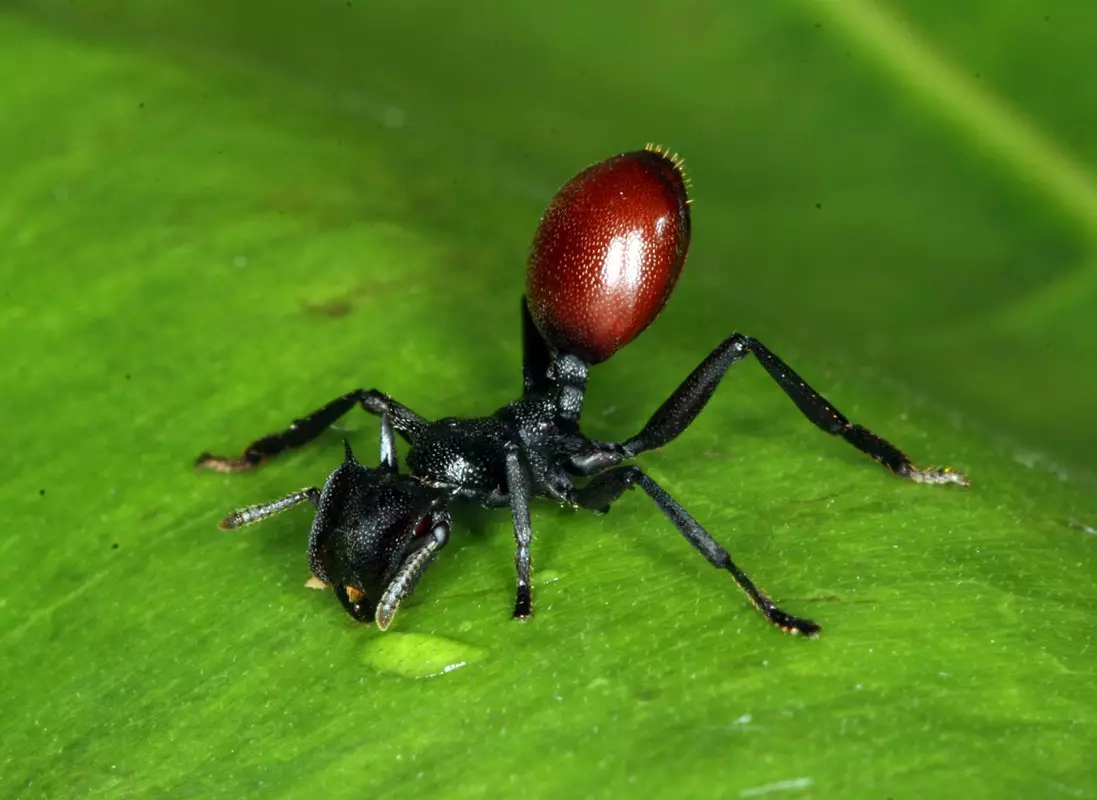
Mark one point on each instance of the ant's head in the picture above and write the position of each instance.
(374, 533)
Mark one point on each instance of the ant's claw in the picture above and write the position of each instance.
(938, 477)
(794, 626)
(523, 605)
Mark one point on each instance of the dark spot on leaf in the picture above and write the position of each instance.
(338, 307)
(343, 303)
(823, 598)
(821, 499)
(41, 492)
(740, 663)
(114, 546)
(648, 693)
(819, 205)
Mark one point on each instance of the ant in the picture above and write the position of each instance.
(605, 259)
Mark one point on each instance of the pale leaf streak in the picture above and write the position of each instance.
(1081, 526)
(777, 786)
(7, 544)
(1032, 155)
(15, 634)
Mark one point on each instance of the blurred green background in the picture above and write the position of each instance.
(218, 216)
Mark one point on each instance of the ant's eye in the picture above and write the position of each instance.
(608, 253)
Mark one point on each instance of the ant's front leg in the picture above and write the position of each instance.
(520, 490)
(304, 430)
(260, 511)
(682, 407)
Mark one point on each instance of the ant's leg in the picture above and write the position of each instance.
(251, 514)
(389, 462)
(682, 407)
(518, 487)
(304, 430)
(411, 570)
(603, 490)
(536, 355)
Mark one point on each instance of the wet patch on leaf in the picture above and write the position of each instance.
(419, 655)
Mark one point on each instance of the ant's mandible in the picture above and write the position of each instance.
(606, 257)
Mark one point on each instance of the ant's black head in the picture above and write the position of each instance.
(374, 533)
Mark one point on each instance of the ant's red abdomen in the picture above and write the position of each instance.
(608, 253)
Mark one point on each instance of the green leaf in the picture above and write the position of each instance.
(217, 217)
